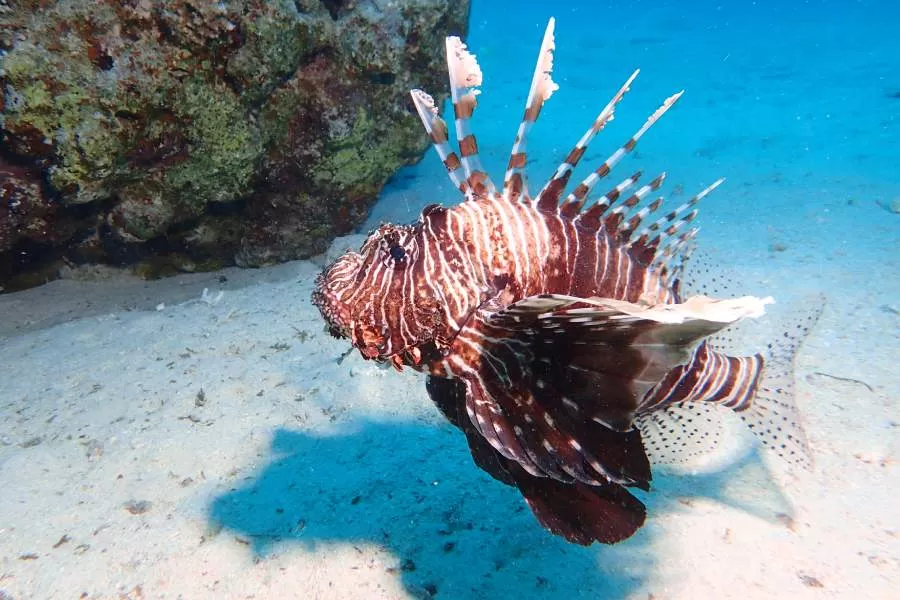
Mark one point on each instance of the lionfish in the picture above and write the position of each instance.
(552, 329)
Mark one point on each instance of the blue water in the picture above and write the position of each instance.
(795, 103)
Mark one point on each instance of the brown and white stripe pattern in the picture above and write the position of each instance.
(515, 184)
(437, 131)
(530, 420)
(500, 293)
(465, 77)
(580, 193)
(455, 258)
(550, 194)
(708, 376)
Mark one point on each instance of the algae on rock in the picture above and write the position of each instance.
(171, 122)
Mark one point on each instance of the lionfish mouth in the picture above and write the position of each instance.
(340, 321)
(336, 315)
(326, 295)
(371, 343)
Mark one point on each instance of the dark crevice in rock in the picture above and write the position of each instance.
(26, 265)
(334, 8)
(227, 209)
(9, 157)
(385, 78)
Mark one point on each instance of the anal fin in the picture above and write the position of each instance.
(450, 397)
(582, 514)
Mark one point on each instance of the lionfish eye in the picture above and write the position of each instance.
(394, 252)
(397, 252)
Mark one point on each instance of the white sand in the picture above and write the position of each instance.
(296, 476)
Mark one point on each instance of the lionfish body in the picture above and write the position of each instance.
(551, 325)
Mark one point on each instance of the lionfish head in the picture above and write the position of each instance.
(376, 298)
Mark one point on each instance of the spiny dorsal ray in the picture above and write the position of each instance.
(437, 131)
(515, 184)
(549, 196)
(465, 77)
(585, 187)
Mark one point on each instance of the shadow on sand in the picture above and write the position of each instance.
(411, 489)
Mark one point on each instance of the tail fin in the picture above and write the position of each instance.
(759, 388)
(773, 415)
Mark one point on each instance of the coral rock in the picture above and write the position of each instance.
(263, 129)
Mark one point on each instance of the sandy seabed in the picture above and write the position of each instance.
(157, 441)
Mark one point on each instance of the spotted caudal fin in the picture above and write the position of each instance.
(675, 416)
(515, 184)
(773, 415)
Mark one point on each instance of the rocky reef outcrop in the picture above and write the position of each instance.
(185, 135)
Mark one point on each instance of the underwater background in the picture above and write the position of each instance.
(202, 436)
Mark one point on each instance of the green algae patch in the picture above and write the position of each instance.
(224, 146)
(367, 156)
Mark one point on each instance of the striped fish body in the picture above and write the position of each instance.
(552, 327)
(522, 251)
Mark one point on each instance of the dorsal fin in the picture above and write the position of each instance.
(627, 227)
(549, 197)
(618, 214)
(465, 77)
(671, 259)
(585, 187)
(590, 218)
(515, 184)
(468, 175)
(600, 206)
(665, 243)
(437, 131)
